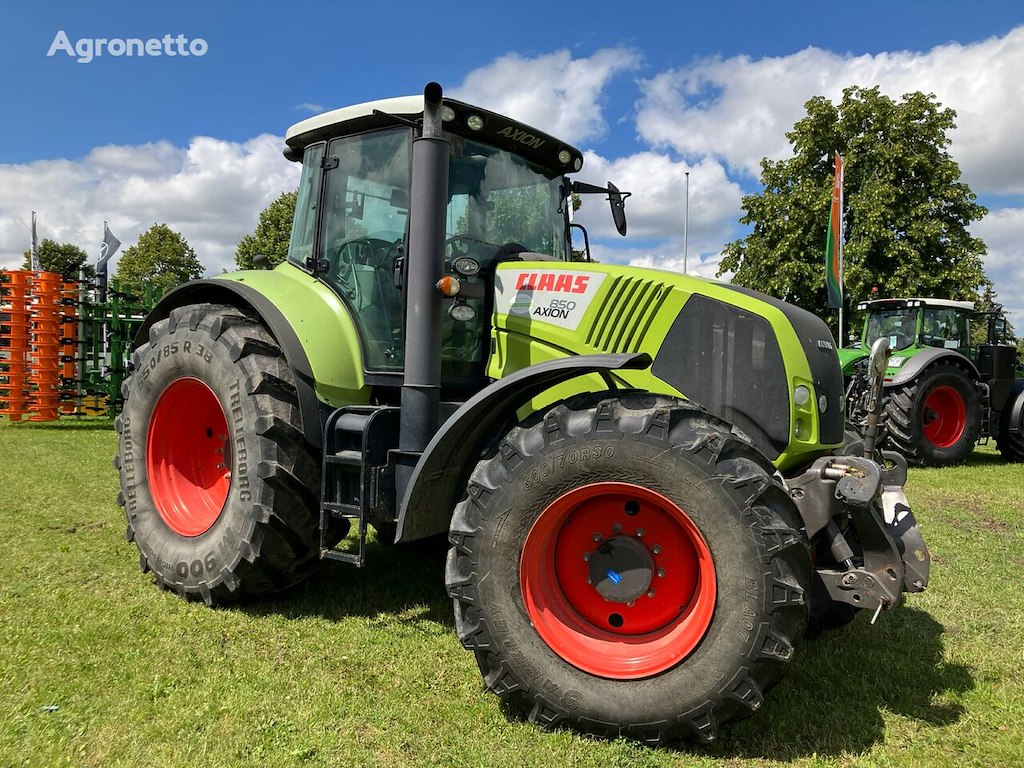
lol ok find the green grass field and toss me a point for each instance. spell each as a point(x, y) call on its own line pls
point(362, 667)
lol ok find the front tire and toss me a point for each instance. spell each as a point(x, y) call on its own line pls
point(628, 567)
point(935, 419)
point(1010, 444)
point(218, 484)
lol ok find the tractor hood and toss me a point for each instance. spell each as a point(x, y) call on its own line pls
point(764, 365)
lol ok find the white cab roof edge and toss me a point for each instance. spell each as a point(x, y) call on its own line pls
point(402, 105)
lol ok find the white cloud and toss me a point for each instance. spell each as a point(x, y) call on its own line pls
point(1003, 233)
point(553, 92)
point(739, 109)
point(656, 208)
point(211, 192)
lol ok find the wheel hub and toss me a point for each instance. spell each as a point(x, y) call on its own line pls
point(618, 580)
point(621, 569)
point(188, 457)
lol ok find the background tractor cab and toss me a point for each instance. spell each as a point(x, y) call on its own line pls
point(944, 390)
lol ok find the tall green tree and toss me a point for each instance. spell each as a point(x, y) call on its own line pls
point(273, 231)
point(162, 258)
point(64, 258)
point(906, 208)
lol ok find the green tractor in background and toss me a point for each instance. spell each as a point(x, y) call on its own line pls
point(943, 392)
point(640, 474)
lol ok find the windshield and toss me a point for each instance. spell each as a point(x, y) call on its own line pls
point(896, 325)
point(499, 203)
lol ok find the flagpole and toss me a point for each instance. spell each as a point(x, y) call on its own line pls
point(686, 222)
point(842, 285)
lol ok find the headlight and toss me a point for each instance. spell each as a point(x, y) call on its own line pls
point(801, 395)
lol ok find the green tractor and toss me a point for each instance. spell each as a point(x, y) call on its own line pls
point(943, 392)
point(641, 474)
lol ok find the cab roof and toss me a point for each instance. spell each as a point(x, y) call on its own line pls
point(915, 302)
point(497, 130)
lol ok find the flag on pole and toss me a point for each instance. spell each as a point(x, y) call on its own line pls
point(834, 241)
point(109, 245)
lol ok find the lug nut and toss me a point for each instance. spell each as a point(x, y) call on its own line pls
point(650, 593)
point(586, 557)
point(640, 533)
point(656, 549)
point(597, 537)
point(661, 573)
point(617, 528)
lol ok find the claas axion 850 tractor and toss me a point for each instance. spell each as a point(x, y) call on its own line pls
point(640, 473)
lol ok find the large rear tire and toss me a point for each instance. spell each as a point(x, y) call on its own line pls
point(218, 484)
point(935, 419)
point(628, 566)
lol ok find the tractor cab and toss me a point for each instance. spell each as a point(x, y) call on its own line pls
point(909, 326)
point(506, 198)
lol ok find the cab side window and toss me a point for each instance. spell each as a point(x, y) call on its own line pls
point(300, 248)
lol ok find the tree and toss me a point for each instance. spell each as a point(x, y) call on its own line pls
point(161, 258)
point(906, 212)
point(273, 231)
point(64, 258)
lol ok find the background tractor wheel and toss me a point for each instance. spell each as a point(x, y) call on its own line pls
point(628, 566)
point(935, 419)
point(218, 484)
point(1010, 445)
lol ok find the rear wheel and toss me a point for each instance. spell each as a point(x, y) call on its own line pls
point(935, 419)
point(218, 484)
point(629, 567)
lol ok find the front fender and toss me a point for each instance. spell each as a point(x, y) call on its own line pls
point(439, 476)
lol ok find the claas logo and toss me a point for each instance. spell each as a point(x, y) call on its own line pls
point(558, 282)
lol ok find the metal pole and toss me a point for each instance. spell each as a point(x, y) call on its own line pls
point(34, 261)
point(686, 223)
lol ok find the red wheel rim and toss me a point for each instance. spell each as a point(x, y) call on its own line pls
point(188, 457)
point(618, 536)
point(943, 417)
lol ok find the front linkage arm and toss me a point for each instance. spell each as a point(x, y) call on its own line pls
point(881, 554)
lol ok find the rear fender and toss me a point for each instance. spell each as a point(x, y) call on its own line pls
point(440, 475)
point(242, 296)
point(926, 357)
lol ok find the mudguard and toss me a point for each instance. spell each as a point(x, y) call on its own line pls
point(439, 476)
point(240, 295)
point(921, 360)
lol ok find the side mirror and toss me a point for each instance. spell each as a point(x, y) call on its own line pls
point(617, 201)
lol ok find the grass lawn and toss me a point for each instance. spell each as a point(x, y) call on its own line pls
point(362, 667)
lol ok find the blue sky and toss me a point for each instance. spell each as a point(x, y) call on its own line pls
point(650, 90)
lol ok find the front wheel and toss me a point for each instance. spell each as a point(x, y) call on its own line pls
point(628, 567)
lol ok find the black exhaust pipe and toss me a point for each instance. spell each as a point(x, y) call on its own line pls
point(428, 205)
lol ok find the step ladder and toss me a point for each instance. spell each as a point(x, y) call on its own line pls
point(357, 439)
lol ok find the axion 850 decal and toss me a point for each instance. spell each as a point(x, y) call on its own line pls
point(556, 296)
